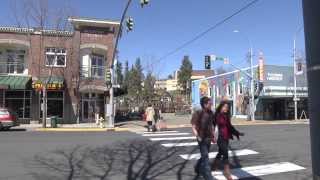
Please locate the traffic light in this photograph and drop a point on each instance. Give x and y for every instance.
(130, 24)
(256, 84)
(108, 77)
(207, 62)
(144, 2)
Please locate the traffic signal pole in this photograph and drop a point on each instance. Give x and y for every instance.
(111, 90)
(311, 15)
(111, 98)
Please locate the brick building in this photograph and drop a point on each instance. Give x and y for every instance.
(71, 63)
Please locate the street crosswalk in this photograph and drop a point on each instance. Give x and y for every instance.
(179, 139)
(166, 134)
(242, 152)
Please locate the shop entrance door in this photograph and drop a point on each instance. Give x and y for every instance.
(88, 111)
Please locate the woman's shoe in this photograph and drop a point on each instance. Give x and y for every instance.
(227, 172)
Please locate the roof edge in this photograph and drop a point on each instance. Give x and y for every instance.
(93, 20)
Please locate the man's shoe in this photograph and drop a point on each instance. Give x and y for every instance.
(196, 170)
(215, 164)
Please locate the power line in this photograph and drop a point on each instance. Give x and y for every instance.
(207, 31)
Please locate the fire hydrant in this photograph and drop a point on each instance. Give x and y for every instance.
(102, 123)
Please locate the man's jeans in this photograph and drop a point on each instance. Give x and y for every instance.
(203, 165)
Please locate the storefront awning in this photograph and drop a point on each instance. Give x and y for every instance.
(53, 83)
(14, 82)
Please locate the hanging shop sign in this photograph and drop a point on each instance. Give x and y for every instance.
(38, 85)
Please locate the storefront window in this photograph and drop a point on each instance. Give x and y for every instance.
(55, 104)
(19, 102)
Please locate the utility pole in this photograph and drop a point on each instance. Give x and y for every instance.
(253, 109)
(295, 80)
(311, 15)
(295, 99)
(252, 104)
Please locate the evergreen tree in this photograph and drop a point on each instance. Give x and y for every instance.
(119, 73)
(185, 72)
(148, 90)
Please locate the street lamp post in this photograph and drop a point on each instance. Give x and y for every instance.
(252, 107)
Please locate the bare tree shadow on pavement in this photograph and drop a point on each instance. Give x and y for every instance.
(134, 160)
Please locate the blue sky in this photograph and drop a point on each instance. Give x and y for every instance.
(166, 24)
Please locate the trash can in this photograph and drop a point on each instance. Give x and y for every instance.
(54, 121)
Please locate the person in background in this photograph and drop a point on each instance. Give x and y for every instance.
(202, 127)
(226, 131)
(150, 113)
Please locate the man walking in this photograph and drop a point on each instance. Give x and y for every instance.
(202, 126)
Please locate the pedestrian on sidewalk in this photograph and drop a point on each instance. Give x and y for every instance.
(150, 113)
(225, 132)
(202, 126)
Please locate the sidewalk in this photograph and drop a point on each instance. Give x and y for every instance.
(172, 121)
(184, 121)
(83, 127)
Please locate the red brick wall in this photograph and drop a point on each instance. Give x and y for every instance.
(36, 60)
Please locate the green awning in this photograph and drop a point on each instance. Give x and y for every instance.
(53, 80)
(14, 82)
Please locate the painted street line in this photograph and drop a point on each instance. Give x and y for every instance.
(157, 132)
(262, 170)
(180, 144)
(197, 156)
(172, 138)
(166, 134)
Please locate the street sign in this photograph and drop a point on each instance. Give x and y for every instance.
(213, 57)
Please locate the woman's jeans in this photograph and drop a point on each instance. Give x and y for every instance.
(223, 145)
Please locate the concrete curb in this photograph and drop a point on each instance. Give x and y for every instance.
(243, 124)
(81, 129)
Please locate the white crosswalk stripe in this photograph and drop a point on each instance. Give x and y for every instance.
(172, 138)
(165, 134)
(242, 152)
(238, 173)
(181, 144)
(157, 132)
(261, 170)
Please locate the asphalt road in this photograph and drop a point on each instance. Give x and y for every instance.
(31, 155)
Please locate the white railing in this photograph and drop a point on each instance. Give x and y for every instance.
(12, 68)
(96, 72)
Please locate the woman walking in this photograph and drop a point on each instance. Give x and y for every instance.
(226, 131)
(150, 112)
